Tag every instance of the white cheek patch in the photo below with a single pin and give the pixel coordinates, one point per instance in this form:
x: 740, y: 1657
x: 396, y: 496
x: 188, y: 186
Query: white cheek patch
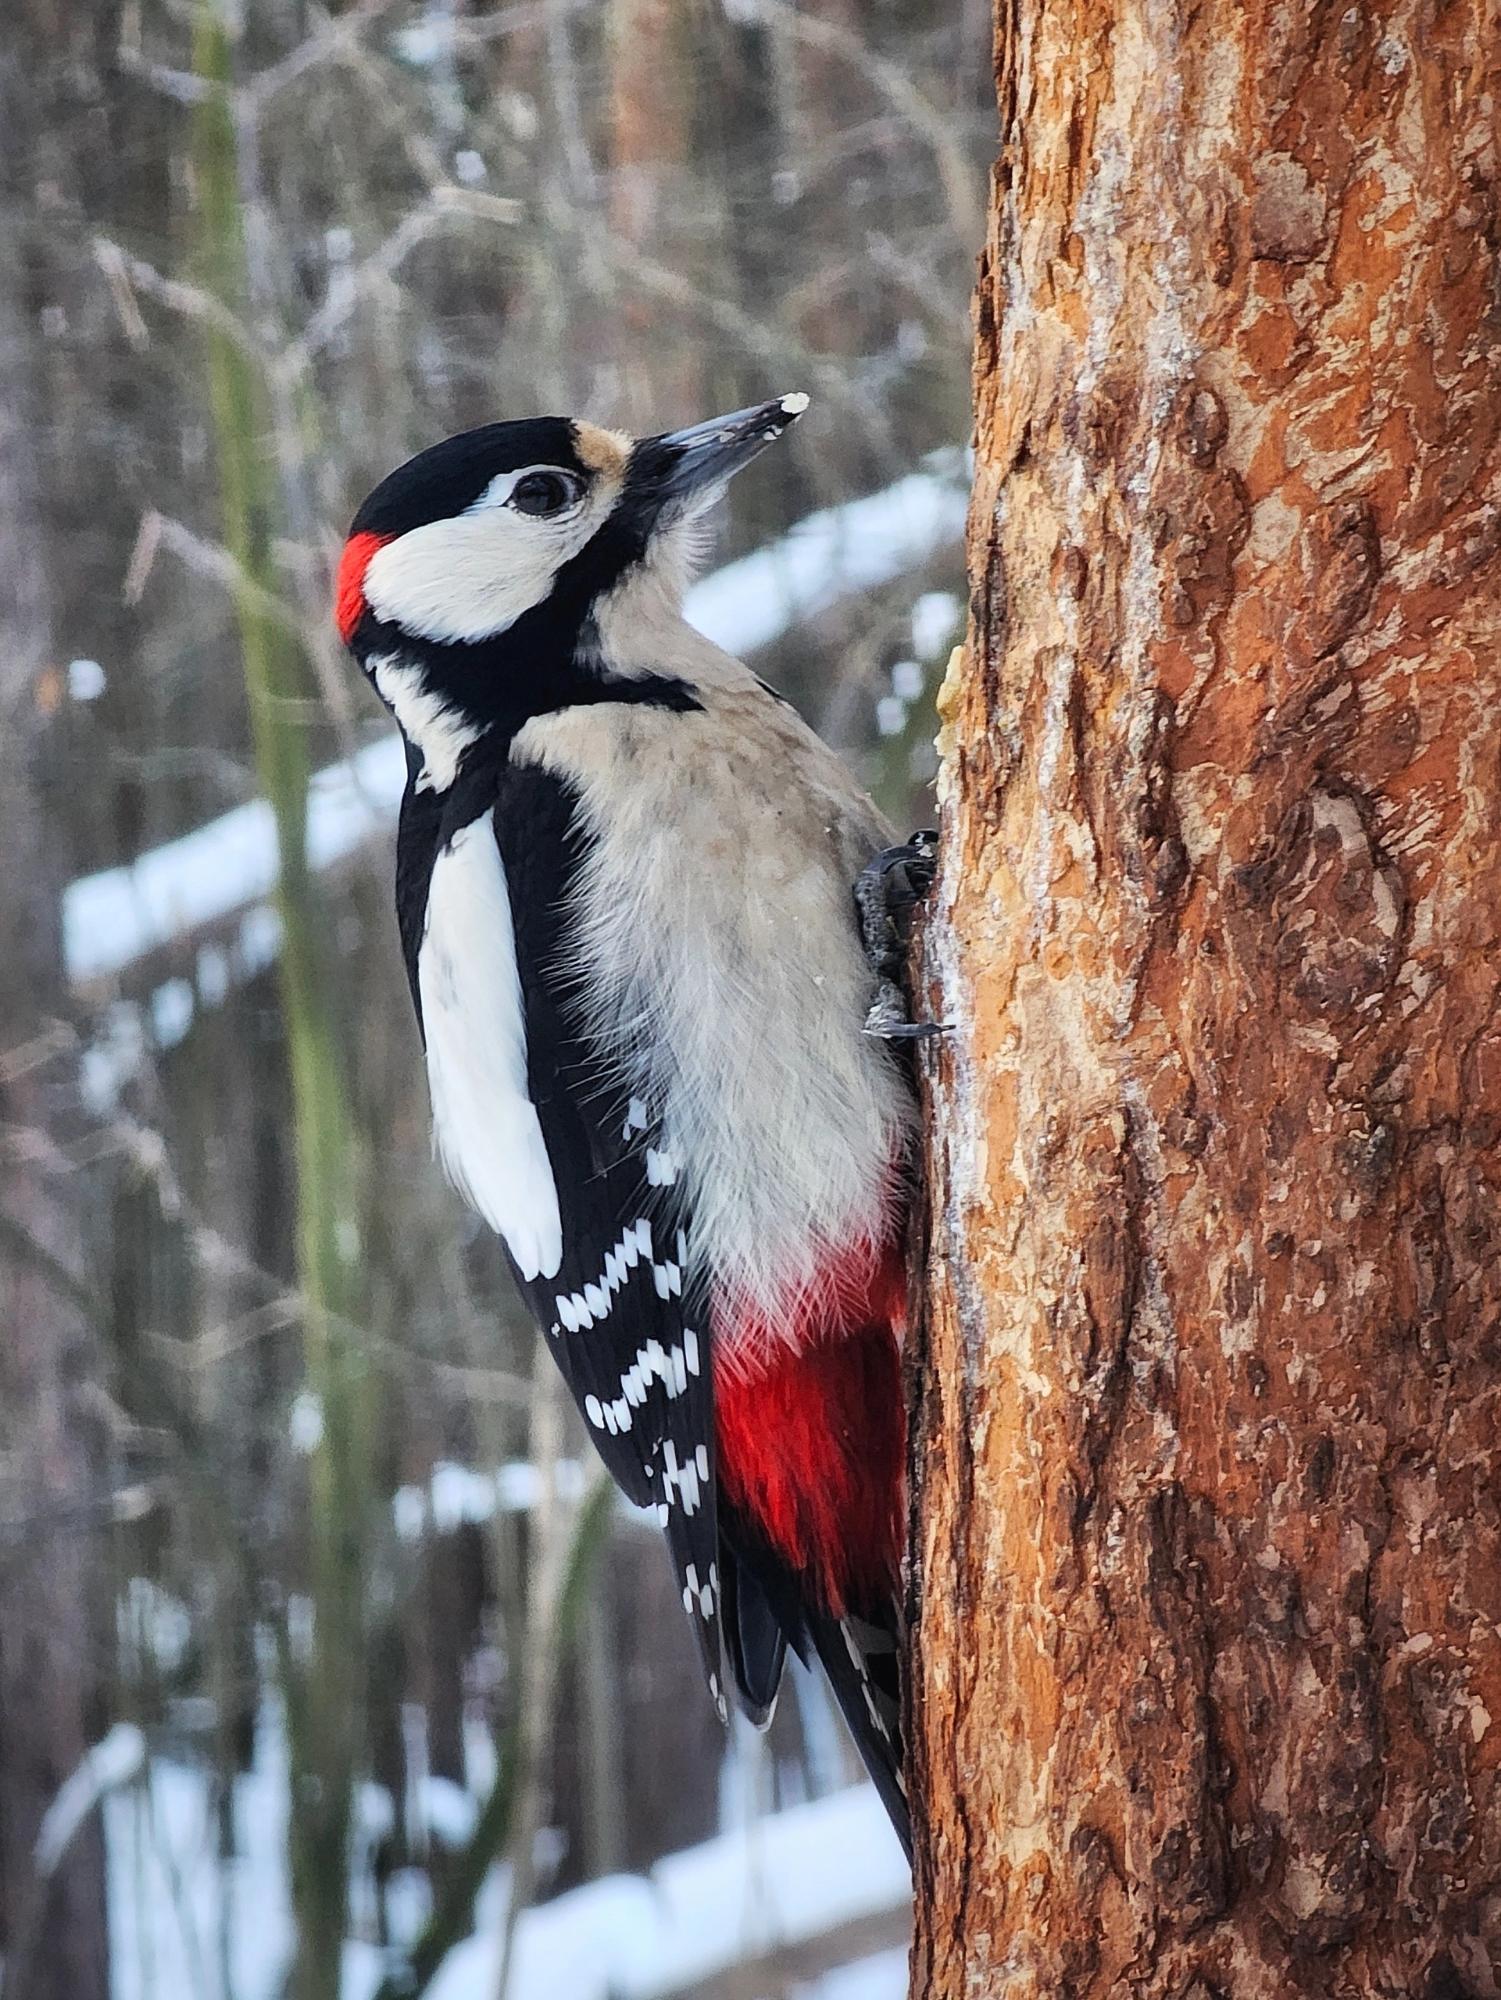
x: 470, y: 577
x: 485, y: 1124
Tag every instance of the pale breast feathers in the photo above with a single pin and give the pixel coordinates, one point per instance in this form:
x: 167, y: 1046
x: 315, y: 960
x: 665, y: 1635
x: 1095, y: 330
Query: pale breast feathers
x: 724, y: 977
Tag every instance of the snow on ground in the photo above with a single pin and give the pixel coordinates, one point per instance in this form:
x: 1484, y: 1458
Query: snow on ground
x: 114, y: 1760
x: 829, y: 556
x: 789, y: 1878
x: 180, y: 1923
x: 112, y: 918
x: 881, y: 1978
x: 183, y: 1927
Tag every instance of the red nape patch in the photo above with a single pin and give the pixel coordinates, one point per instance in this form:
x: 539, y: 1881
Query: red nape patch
x: 349, y: 584
x: 812, y: 1442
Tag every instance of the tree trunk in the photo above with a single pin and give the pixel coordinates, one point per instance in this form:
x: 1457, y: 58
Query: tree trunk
x: 52, y: 1924
x: 656, y: 205
x: 1208, y: 1664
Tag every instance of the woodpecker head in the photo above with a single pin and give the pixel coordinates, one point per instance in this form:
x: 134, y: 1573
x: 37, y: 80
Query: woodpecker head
x: 492, y: 562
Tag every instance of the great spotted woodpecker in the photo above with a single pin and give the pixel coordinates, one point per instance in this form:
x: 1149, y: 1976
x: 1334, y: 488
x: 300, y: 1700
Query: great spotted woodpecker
x: 623, y: 883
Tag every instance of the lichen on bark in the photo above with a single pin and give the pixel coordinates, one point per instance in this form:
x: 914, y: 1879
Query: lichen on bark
x: 1208, y: 1433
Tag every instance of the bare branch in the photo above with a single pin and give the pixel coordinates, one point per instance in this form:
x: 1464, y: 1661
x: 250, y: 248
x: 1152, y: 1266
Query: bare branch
x: 57, y: 1038
x: 771, y: 344
x: 961, y: 184
x: 477, y: 31
x: 334, y: 40
x: 181, y: 85
x: 190, y: 301
x: 207, y: 559
x: 381, y: 265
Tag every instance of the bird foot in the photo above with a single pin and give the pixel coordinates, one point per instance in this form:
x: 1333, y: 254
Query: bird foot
x: 887, y: 892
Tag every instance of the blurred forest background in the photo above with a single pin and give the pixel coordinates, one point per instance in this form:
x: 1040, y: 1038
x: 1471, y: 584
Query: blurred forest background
x: 323, y: 1652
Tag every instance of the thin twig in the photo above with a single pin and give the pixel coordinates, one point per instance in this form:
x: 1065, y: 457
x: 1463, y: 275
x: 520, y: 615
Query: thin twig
x: 181, y: 85
x: 337, y: 34
x: 961, y: 184
x: 381, y: 265
x: 190, y: 301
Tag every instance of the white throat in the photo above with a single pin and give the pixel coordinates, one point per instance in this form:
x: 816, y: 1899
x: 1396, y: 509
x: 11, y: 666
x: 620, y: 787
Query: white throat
x: 441, y: 732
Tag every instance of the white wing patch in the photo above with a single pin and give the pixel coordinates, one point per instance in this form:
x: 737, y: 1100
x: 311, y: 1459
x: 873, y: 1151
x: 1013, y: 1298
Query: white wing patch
x: 485, y: 1125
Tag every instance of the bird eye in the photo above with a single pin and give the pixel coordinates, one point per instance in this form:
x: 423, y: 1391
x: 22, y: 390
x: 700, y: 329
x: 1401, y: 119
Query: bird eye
x: 543, y: 493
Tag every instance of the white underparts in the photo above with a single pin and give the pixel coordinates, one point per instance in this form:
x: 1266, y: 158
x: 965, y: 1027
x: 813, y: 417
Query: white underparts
x: 440, y: 732
x: 484, y: 1123
x: 728, y: 995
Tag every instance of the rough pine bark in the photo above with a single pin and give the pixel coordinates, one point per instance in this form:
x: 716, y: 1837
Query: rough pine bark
x: 1208, y: 1441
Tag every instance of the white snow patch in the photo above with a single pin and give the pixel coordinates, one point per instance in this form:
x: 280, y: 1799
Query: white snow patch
x: 936, y: 620
x: 446, y: 1810
x: 305, y: 1422
x: 457, y: 1494
x: 789, y: 1878
x: 881, y: 1978
x: 829, y: 556
x: 112, y: 1761
x: 153, y: 1625
x: 907, y: 680
x: 120, y: 914
x: 171, y: 1897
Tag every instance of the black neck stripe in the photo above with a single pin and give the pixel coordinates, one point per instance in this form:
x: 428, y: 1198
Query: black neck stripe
x: 500, y: 690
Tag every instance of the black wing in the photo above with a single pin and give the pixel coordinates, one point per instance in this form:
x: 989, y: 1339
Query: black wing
x: 619, y: 1315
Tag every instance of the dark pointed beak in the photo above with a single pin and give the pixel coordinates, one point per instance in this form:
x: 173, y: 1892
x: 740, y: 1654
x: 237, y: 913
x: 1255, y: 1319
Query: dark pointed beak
x: 691, y: 467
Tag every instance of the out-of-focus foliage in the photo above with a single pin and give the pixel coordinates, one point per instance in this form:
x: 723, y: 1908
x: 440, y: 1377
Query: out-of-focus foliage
x: 645, y: 210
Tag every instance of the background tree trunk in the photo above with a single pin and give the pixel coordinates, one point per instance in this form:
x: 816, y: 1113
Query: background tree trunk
x: 52, y: 1503
x: 1209, y: 1436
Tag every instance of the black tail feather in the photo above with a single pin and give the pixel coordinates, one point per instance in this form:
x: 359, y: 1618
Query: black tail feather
x: 765, y: 1610
x: 754, y: 1638
x: 862, y: 1658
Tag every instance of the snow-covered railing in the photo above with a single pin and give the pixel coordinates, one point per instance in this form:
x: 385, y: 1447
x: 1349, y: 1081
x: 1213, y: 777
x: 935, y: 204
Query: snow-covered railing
x: 120, y: 915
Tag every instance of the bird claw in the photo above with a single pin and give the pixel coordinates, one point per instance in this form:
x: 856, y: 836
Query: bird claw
x: 887, y: 892
x: 888, y: 1026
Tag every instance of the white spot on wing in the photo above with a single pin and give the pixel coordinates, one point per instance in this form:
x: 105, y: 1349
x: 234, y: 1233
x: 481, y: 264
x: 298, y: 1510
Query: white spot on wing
x: 680, y: 1481
x: 486, y: 1126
